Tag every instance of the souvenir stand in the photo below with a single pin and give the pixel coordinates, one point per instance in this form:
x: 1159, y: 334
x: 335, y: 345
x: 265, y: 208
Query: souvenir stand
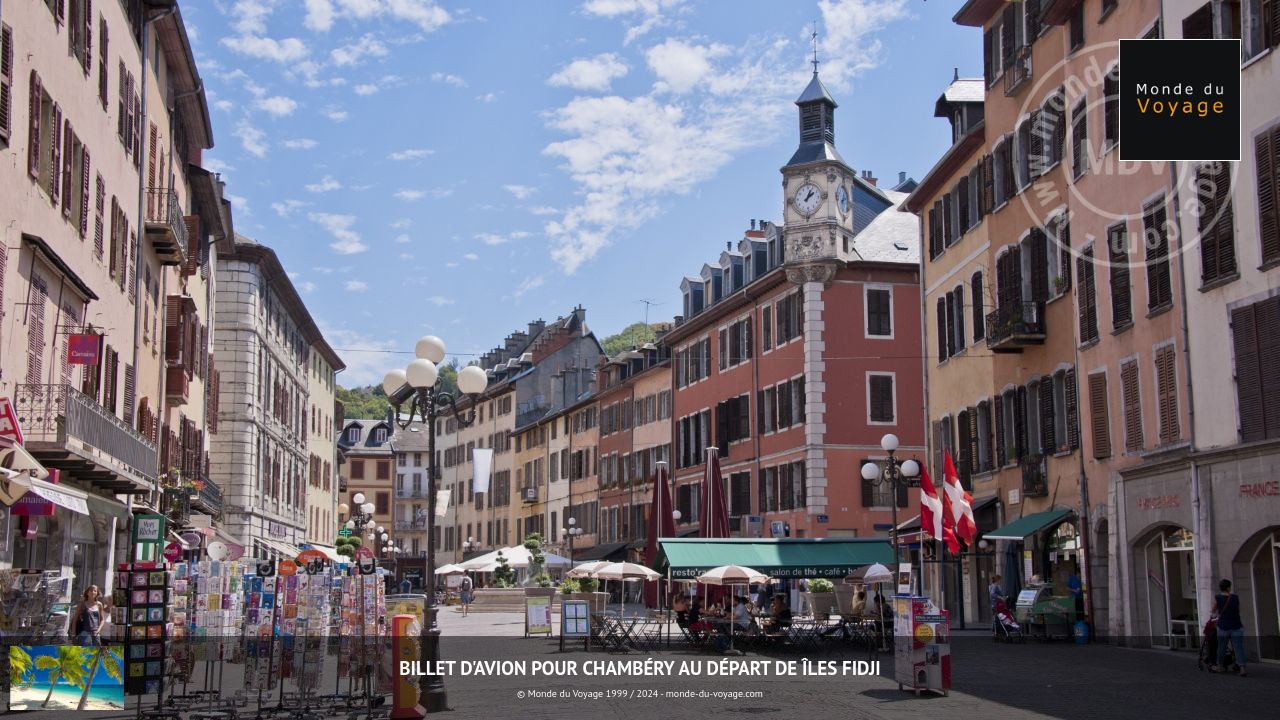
x: 362, y: 631
x: 143, y: 601
x: 208, y: 609
x: 33, y: 604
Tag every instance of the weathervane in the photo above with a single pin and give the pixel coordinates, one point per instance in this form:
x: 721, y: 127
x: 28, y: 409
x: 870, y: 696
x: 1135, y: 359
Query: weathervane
x: 814, y: 38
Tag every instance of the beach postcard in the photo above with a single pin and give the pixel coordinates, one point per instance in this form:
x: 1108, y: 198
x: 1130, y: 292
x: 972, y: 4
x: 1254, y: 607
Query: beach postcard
x: 66, y: 677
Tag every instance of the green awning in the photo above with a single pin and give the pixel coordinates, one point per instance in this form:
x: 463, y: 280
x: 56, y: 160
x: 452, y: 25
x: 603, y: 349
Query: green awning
x: 99, y: 505
x: 688, y: 558
x: 1028, y: 525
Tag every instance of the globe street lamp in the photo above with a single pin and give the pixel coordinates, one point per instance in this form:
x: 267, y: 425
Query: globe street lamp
x: 891, y: 474
x: 574, y: 531
x: 416, y: 385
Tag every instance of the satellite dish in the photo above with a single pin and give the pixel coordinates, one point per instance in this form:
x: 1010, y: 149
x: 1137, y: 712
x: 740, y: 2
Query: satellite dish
x: 217, y: 550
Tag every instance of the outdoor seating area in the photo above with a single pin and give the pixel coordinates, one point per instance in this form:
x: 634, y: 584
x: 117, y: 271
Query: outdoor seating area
x: 614, y: 633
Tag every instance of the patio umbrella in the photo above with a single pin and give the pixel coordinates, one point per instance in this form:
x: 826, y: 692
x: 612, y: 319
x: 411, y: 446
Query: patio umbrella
x: 625, y: 572
x: 661, y: 524
x: 451, y: 569
x: 871, y: 574
x: 587, y: 569
x: 713, y: 512
x: 732, y: 575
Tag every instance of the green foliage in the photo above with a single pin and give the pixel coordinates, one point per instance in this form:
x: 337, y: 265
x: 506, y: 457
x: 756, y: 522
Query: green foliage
x: 504, y: 576
x: 345, y: 550
x: 70, y: 664
x: 631, y: 336
x: 589, y: 584
x: 503, y: 583
x: 533, y: 542
x: 109, y: 658
x: 20, y: 666
x: 542, y: 580
x: 363, y: 402
x: 821, y: 585
x: 569, y: 587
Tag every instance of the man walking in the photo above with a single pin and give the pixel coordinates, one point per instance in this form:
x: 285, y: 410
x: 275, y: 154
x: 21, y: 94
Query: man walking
x: 464, y: 592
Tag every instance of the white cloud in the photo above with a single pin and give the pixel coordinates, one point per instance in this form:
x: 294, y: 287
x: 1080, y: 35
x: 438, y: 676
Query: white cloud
x: 366, y: 357
x: 595, y: 73
x: 319, y: 15
x: 214, y: 165
x: 848, y: 44
x: 366, y: 46
x: 307, y: 286
x: 356, y: 285
x: 471, y: 256
x: 440, y: 300
x: 645, y: 14
x: 326, y: 184
x: 348, y: 240
x: 410, y: 154
x: 300, y: 144
x: 278, y: 105
x: 543, y: 210
x: 413, y: 194
x: 680, y: 65
x: 224, y: 105
x: 426, y: 14
x: 451, y: 264
x: 406, y: 256
x: 286, y: 208
x: 487, y: 97
x: 240, y: 203
x: 520, y: 191
x: 252, y: 139
x: 365, y: 89
x: 531, y: 283
x: 335, y: 114
x: 402, y: 223
x: 495, y: 239
x: 448, y: 79
x: 403, y: 238
x: 286, y: 50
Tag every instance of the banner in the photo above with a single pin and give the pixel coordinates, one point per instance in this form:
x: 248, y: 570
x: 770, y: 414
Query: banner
x: 82, y: 349
x: 481, y: 464
x: 442, y: 502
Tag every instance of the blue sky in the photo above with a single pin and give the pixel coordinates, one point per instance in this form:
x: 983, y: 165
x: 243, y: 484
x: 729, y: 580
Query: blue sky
x: 432, y: 167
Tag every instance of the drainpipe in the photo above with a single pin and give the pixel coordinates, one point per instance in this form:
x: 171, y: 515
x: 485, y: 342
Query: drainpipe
x: 928, y: 437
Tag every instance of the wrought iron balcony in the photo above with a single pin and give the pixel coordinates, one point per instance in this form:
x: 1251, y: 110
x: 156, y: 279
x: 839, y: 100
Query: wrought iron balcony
x: 209, y: 498
x: 1013, y: 326
x: 1019, y: 73
x: 68, y: 430
x: 411, y: 525
x: 1035, y: 477
x: 166, y: 226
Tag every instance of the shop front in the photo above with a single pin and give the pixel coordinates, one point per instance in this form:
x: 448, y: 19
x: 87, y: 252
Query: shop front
x: 960, y: 580
x: 1041, y: 551
x: 1159, y: 560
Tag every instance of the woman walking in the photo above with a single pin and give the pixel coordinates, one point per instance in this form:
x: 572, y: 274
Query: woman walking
x: 1230, y: 627
x: 86, y: 620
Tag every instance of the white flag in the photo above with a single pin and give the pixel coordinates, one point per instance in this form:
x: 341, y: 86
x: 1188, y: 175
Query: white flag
x: 481, y: 464
x: 442, y: 502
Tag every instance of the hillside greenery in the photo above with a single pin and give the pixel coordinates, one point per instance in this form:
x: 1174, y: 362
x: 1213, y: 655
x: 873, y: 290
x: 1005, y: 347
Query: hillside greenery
x: 371, y: 401
x: 631, y: 336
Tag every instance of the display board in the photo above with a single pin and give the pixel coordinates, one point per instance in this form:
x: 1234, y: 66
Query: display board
x: 575, y: 622
x: 922, y: 645
x: 144, y: 590
x: 537, y: 615
x: 33, y: 603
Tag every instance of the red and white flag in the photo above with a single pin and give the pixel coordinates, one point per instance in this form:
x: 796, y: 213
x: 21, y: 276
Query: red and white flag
x: 959, y: 505
x: 933, y: 519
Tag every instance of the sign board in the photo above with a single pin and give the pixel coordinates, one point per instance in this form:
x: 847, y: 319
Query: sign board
x: 575, y: 622
x: 822, y: 519
x: 10, y: 429
x: 904, y: 578
x: 83, y: 349
x: 173, y: 551
x: 148, y: 528
x: 404, y: 645
x: 537, y: 615
x: 345, y: 532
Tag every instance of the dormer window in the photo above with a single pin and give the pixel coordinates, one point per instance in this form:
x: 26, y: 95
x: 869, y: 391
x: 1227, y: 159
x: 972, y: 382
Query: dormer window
x: 379, y: 435
x: 353, y: 435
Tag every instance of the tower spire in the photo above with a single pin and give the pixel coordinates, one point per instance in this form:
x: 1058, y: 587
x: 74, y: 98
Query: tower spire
x: 814, y: 38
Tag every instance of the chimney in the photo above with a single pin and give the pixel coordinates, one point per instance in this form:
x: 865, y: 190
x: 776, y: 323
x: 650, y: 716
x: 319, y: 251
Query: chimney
x: 753, y: 223
x: 955, y: 74
x: 728, y: 245
x: 902, y: 177
x: 536, y: 327
x: 866, y: 175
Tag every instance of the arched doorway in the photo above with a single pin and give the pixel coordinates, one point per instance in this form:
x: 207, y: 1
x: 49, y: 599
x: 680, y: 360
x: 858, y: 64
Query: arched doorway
x: 1256, y: 575
x: 1165, y: 587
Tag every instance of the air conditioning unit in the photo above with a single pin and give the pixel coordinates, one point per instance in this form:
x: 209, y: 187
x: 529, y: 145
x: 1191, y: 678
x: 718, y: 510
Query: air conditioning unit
x: 753, y: 526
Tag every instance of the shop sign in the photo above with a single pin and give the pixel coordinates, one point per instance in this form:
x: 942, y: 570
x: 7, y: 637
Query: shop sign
x: 345, y: 532
x: 1159, y: 502
x: 82, y: 349
x: 10, y: 429
x: 822, y: 519
x: 148, y: 528
x: 172, y: 552
x: 1262, y: 489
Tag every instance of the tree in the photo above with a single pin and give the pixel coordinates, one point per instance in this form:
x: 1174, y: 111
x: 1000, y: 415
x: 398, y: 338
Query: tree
x: 631, y: 336
x: 20, y: 665
x: 69, y: 664
x: 108, y: 657
x: 503, y: 575
x: 363, y: 402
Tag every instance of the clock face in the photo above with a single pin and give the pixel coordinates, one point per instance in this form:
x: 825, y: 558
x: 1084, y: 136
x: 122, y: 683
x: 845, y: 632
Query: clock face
x: 842, y: 199
x: 808, y: 198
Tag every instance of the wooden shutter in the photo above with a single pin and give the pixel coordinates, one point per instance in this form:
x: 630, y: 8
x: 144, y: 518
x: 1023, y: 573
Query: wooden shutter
x: 1266, y: 150
x: 988, y: 183
x: 975, y: 445
x: 153, y: 198
x: 988, y: 71
x: 99, y: 207
x: 103, y: 80
x: 1132, y: 406
x: 84, y: 192
x: 942, y: 329
x: 66, y: 173
x: 965, y: 447
x: 1271, y: 22
x: 948, y: 328
x: 1008, y: 35
x: 1167, y: 394
x: 997, y: 422
x: 1033, y: 20
x: 1059, y: 103
x: 109, y: 379
x: 1071, y: 398
x: 1020, y: 422
x: 1039, y: 265
x: 122, y: 107
x: 6, y: 82
x: 174, y: 330
x: 87, y: 57
x: 131, y: 258
x: 976, y: 297
x: 130, y: 392
x: 33, y: 132
x: 35, y: 331
x: 1048, y: 441
x: 1121, y: 289
x: 4, y: 262
x: 55, y: 147
x: 1100, y: 425
x: 1216, y: 222
x: 1159, y: 287
x: 193, y: 245
x: 1087, y: 298
x: 1036, y: 163
x: 1248, y: 373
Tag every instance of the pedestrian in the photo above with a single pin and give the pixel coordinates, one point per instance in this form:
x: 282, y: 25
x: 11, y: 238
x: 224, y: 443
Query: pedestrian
x: 995, y: 593
x: 1076, y: 588
x: 405, y: 586
x: 1230, y: 627
x: 86, y: 619
x: 465, y: 594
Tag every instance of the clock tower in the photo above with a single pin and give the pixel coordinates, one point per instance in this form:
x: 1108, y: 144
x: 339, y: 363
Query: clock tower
x: 817, y: 189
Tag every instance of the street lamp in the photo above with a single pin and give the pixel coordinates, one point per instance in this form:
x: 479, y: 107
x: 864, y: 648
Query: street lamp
x: 574, y: 531
x: 891, y: 474
x: 416, y: 384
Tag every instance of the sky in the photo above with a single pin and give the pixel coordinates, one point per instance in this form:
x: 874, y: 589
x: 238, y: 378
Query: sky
x: 461, y: 169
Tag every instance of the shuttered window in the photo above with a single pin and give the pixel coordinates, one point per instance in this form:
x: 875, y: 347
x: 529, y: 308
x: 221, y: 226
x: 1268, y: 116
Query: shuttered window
x: 1121, y: 292
x: 988, y: 184
x: 6, y: 82
x: 879, y: 318
x: 1167, y: 395
x: 1255, y: 333
x: 1048, y: 438
x: 38, y: 305
x: 1216, y: 222
x: 1087, y: 298
x: 85, y: 171
x: 964, y: 463
x: 1079, y: 139
x: 110, y: 365
x: 33, y: 126
x: 880, y: 402
x: 4, y: 262
x: 979, y: 316
x: 1132, y: 405
x: 942, y: 329
x: 130, y: 392
x: 1266, y: 149
x: 1071, y: 399
x: 103, y: 85
x: 1099, y: 421
x: 54, y: 179
x: 1156, y: 233
x: 1111, y: 108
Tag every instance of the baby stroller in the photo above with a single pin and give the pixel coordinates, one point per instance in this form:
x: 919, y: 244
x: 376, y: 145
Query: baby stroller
x: 1209, y: 649
x: 1003, y: 626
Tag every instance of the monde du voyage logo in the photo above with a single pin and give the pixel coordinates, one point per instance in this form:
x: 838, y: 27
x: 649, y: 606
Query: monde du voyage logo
x: 1180, y: 100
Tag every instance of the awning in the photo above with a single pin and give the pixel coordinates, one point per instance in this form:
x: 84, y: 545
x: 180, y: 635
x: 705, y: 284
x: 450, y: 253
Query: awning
x: 67, y: 497
x: 603, y: 551
x: 777, y: 558
x: 99, y: 505
x: 281, y: 547
x: 329, y: 551
x: 1022, y: 527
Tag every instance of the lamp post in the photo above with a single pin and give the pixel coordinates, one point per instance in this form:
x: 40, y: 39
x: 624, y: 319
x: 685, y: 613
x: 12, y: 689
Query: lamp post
x: 416, y: 384
x: 574, y: 531
x: 893, y: 472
